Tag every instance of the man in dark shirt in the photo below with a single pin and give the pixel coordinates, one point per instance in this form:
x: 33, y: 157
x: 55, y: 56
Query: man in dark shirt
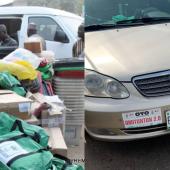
x: 5, y: 39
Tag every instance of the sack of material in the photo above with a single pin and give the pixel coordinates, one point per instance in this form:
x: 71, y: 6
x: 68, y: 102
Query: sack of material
x: 7, y: 81
x: 62, y: 163
x: 10, y: 123
x: 20, y: 152
x: 24, y: 147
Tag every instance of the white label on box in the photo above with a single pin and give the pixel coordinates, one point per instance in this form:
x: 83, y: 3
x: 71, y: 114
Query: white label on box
x: 10, y: 150
x: 53, y: 122
x: 24, y: 107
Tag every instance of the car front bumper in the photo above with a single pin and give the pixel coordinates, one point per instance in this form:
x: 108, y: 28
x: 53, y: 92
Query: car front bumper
x: 122, y: 138
x: 103, y: 117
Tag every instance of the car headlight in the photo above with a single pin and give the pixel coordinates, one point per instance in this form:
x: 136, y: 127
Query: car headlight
x: 98, y: 85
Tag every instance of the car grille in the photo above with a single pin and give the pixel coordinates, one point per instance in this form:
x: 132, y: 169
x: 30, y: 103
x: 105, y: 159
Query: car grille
x: 153, y: 85
x: 148, y: 129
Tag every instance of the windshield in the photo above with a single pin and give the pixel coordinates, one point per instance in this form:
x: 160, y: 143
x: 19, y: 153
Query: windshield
x: 103, y: 12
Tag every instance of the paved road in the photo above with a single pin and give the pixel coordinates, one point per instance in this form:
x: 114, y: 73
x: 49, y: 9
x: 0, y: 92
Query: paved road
x: 150, y: 154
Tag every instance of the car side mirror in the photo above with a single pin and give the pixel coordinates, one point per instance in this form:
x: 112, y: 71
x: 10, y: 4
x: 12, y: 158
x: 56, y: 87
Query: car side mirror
x: 60, y: 36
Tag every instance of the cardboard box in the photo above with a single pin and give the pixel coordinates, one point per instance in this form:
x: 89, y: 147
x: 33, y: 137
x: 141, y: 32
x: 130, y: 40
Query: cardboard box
x: 14, y: 104
x: 56, y: 141
x: 50, y: 121
x: 33, y: 46
x: 53, y: 117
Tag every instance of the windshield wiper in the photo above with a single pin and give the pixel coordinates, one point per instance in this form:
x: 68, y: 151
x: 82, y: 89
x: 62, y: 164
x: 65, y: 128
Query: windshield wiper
x: 130, y: 22
x: 99, y: 27
x: 147, y: 20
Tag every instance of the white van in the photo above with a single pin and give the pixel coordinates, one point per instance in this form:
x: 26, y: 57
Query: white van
x: 50, y: 22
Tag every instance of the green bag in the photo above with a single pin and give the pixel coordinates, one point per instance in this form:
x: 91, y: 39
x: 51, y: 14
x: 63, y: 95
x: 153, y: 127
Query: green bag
x: 7, y: 81
x: 46, y: 71
x: 28, y: 145
x: 20, y: 152
x: 62, y: 163
x: 10, y: 123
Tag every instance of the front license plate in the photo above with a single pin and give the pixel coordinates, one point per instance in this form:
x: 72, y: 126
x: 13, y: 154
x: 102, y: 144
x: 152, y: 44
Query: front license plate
x: 142, y: 118
x: 168, y: 119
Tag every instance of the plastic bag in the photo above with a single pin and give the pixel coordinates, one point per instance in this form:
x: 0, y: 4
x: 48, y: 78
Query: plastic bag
x: 21, y: 69
x: 10, y: 123
x: 59, y: 162
x: 48, y: 55
x: 28, y: 147
x: 46, y: 71
x: 23, y: 54
x: 7, y: 81
x: 21, y: 152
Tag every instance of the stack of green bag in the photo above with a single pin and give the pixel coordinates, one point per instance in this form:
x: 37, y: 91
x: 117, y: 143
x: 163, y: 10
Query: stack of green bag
x: 24, y: 147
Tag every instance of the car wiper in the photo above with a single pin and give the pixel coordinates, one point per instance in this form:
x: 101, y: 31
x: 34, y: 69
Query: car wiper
x: 99, y: 27
x: 146, y: 20
x: 128, y: 22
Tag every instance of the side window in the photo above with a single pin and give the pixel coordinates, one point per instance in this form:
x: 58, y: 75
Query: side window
x: 46, y: 27
x: 13, y: 27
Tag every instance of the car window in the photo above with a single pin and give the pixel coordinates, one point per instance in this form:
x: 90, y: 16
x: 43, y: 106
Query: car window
x: 13, y: 26
x: 99, y: 12
x: 46, y: 27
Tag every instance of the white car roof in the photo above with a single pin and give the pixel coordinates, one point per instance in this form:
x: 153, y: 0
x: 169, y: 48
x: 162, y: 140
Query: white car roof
x: 35, y: 10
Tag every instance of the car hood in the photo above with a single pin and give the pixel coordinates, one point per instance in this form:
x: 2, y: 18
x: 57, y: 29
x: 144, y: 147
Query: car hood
x: 127, y: 52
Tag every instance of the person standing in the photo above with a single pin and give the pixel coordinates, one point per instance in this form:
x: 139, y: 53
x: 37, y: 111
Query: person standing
x: 32, y: 32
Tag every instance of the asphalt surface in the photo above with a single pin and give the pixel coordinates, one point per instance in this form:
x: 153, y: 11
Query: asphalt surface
x: 150, y: 154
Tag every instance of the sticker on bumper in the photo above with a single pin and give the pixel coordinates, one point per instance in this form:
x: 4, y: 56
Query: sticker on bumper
x: 142, y: 118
